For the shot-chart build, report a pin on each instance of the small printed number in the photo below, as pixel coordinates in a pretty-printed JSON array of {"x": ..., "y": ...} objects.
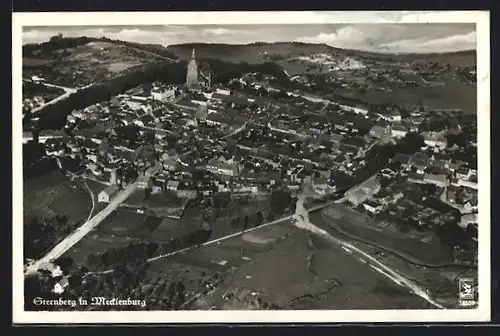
[{"x": 467, "y": 303}]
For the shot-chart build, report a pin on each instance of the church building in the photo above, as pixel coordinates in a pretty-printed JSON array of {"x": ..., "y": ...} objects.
[{"x": 196, "y": 79}]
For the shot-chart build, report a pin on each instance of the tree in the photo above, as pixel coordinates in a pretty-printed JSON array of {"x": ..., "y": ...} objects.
[
  {"x": 180, "y": 291},
  {"x": 411, "y": 143},
  {"x": 151, "y": 249}
]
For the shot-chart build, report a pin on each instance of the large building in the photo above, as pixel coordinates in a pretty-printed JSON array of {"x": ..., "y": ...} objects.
[
  {"x": 192, "y": 72},
  {"x": 195, "y": 78}
]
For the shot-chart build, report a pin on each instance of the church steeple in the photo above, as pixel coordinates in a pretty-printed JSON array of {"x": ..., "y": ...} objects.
[{"x": 193, "y": 55}]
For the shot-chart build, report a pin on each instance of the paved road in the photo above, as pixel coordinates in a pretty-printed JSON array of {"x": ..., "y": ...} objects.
[
  {"x": 53, "y": 101},
  {"x": 445, "y": 200},
  {"x": 83, "y": 230},
  {"x": 318, "y": 100},
  {"x": 236, "y": 131},
  {"x": 67, "y": 92}
]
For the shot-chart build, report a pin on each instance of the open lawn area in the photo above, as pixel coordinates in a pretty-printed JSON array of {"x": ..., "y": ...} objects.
[
  {"x": 452, "y": 94},
  {"x": 360, "y": 287},
  {"x": 414, "y": 247},
  {"x": 75, "y": 203},
  {"x": 95, "y": 243},
  {"x": 281, "y": 275},
  {"x": 129, "y": 223},
  {"x": 31, "y": 62},
  {"x": 51, "y": 179},
  {"x": 298, "y": 271},
  {"x": 53, "y": 194}
]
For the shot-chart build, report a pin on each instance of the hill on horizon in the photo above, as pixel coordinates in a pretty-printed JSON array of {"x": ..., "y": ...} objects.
[{"x": 230, "y": 52}]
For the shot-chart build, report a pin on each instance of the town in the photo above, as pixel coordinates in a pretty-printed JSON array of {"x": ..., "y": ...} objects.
[{"x": 177, "y": 166}]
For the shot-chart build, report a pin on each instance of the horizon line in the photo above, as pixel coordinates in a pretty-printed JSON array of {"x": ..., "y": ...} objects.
[{"x": 379, "y": 52}]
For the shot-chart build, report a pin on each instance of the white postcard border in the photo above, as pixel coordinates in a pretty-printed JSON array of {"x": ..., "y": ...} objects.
[{"x": 481, "y": 18}]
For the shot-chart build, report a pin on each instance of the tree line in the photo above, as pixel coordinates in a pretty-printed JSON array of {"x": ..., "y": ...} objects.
[{"x": 58, "y": 42}]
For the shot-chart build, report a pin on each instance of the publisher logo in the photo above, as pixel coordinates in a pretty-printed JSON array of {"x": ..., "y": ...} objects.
[{"x": 467, "y": 292}]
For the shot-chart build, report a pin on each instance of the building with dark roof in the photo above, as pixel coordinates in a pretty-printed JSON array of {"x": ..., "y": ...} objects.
[{"x": 108, "y": 194}]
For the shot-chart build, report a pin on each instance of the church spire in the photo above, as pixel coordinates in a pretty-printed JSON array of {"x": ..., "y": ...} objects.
[{"x": 193, "y": 56}]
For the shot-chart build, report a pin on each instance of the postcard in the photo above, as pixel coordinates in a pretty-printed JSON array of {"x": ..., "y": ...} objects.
[{"x": 238, "y": 167}]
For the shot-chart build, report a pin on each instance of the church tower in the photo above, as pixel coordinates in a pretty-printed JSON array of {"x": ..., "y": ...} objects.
[{"x": 192, "y": 72}]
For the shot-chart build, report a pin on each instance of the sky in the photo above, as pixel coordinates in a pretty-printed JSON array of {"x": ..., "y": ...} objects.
[{"x": 378, "y": 37}]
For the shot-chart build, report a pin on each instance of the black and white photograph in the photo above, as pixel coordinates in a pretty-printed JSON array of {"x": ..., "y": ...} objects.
[{"x": 251, "y": 167}]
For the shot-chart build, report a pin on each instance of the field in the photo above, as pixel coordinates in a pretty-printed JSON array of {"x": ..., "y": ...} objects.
[
  {"x": 284, "y": 266},
  {"x": 360, "y": 287},
  {"x": 440, "y": 281},
  {"x": 34, "y": 62},
  {"x": 422, "y": 248},
  {"x": 451, "y": 94},
  {"x": 33, "y": 185},
  {"x": 126, "y": 223},
  {"x": 53, "y": 194},
  {"x": 95, "y": 243},
  {"x": 86, "y": 64},
  {"x": 53, "y": 206},
  {"x": 281, "y": 275}
]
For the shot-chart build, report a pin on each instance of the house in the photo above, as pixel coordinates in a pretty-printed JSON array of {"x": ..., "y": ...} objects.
[
  {"x": 163, "y": 94},
  {"x": 170, "y": 164},
  {"x": 468, "y": 219},
  {"x": 464, "y": 173},
  {"x": 140, "y": 96},
  {"x": 144, "y": 182},
  {"x": 356, "y": 196},
  {"x": 223, "y": 92},
  {"x": 218, "y": 167},
  {"x": 145, "y": 120},
  {"x": 399, "y": 131},
  {"x": 60, "y": 286},
  {"x": 468, "y": 207},
  {"x": 214, "y": 119},
  {"x": 420, "y": 161},
  {"x": 373, "y": 207},
  {"x": 173, "y": 185},
  {"x": 454, "y": 166},
  {"x": 294, "y": 173},
  {"x": 371, "y": 186},
  {"x": 439, "y": 180},
  {"x": 416, "y": 178},
  {"x": 391, "y": 199},
  {"x": 128, "y": 119},
  {"x": 378, "y": 131},
  {"x": 434, "y": 139},
  {"x": 108, "y": 194},
  {"x": 361, "y": 193},
  {"x": 54, "y": 269},
  {"x": 402, "y": 158},
  {"x": 394, "y": 116}
]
